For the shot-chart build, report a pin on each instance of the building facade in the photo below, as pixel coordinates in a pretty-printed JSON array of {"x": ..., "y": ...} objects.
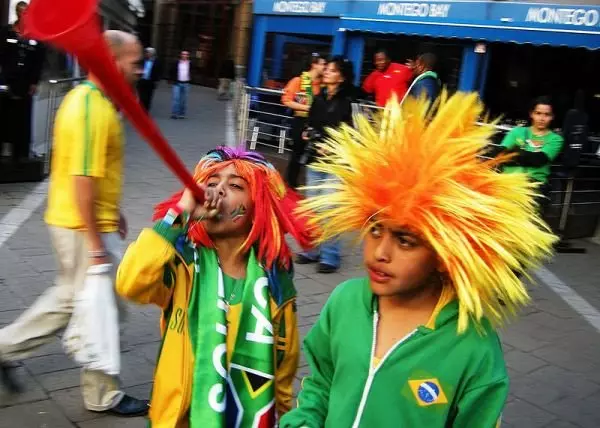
[
  {"x": 121, "y": 14},
  {"x": 509, "y": 51},
  {"x": 211, "y": 30},
  {"x": 115, "y": 14}
]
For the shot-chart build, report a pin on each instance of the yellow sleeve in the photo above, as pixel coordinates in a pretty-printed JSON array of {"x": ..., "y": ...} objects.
[
  {"x": 288, "y": 366},
  {"x": 88, "y": 125},
  {"x": 147, "y": 272}
]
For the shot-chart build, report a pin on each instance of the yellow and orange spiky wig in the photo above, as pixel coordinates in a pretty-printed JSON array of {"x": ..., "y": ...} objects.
[{"x": 421, "y": 170}]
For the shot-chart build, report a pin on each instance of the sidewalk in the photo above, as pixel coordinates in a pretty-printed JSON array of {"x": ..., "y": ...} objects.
[{"x": 552, "y": 352}]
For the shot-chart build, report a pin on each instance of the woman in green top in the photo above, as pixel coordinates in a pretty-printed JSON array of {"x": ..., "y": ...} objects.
[
  {"x": 414, "y": 344},
  {"x": 536, "y": 147}
]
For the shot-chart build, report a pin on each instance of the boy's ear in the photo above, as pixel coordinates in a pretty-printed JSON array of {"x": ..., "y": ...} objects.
[{"x": 441, "y": 266}]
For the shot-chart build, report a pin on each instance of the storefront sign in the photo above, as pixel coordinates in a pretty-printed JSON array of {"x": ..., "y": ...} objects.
[
  {"x": 478, "y": 13},
  {"x": 563, "y": 16},
  {"x": 493, "y": 15},
  {"x": 414, "y": 9},
  {"x": 298, "y": 7}
]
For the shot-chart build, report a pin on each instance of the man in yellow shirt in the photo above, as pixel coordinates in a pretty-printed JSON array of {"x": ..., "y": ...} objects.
[{"x": 85, "y": 222}]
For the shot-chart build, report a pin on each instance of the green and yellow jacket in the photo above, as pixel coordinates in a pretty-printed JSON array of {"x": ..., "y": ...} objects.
[
  {"x": 157, "y": 268},
  {"x": 432, "y": 378}
]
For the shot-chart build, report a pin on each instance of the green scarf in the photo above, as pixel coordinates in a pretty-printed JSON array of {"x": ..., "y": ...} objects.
[
  {"x": 243, "y": 393},
  {"x": 426, "y": 74},
  {"x": 307, "y": 89}
]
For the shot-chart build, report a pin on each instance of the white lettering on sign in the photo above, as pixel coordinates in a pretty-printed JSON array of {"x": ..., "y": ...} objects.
[
  {"x": 550, "y": 15},
  {"x": 417, "y": 10},
  {"x": 299, "y": 6}
]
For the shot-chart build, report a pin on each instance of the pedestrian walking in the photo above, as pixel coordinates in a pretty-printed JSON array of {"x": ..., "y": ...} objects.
[
  {"x": 298, "y": 95},
  {"x": 388, "y": 79},
  {"x": 181, "y": 77},
  {"x": 415, "y": 343},
  {"x": 150, "y": 78},
  {"x": 85, "y": 222},
  {"x": 21, "y": 61},
  {"x": 221, "y": 272}
]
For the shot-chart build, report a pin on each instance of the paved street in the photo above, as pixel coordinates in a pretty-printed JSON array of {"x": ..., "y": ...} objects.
[{"x": 552, "y": 351}]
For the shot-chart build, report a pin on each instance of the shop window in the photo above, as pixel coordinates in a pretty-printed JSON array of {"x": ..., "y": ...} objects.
[
  {"x": 204, "y": 29},
  {"x": 402, "y": 48},
  {"x": 295, "y": 53},
  {"x": 519, "y": 73}
]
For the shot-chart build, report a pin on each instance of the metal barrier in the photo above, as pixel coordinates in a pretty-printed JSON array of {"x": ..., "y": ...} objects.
[
  {"x": 57, "y": 89},
  {"x": 264, "y": 121}
]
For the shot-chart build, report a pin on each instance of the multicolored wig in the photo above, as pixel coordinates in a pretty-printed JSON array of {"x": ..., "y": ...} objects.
[
  {"x": 422, "y": 170},
  {"x": 272, "y": 212}
]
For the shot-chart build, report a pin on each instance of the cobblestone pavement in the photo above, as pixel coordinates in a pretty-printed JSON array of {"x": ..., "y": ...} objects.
[{"x": 552, "y": 353}]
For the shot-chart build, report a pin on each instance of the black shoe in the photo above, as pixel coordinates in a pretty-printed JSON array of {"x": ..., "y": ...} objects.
[
  {"x": 7, "y": 379},
  {"x": 303, "y": 260},
  {"x": 129, "y": 407},
  {"x": 325, "y": 268},
  {"x": 174, "y": 116}
]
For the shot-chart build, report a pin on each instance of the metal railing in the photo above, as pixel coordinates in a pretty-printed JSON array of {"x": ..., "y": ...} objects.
[
  {"x": 57, "y": 89},
  {"x": 262, "y": 120}
]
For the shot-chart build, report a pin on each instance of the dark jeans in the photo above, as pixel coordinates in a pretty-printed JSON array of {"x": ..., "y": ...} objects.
[
  {"x": 299, "y": 145},
  {"x": 146, "y": 92}
]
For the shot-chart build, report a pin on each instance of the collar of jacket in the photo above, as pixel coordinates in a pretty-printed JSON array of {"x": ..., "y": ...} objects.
[
  {"x": 427, "y": 74},
  {"x": 444, "y": 312}
]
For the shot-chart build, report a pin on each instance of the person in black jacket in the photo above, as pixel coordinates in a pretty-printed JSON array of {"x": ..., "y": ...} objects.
[
  {"x": 150, "y": 77},
  {"x": 331, "y": 108},
  {"x": 21, "y": 61},
  {"x": 575, "y": 133}
]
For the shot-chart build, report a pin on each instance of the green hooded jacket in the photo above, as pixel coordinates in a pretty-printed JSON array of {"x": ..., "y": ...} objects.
[{"x": 431, "y": 378}]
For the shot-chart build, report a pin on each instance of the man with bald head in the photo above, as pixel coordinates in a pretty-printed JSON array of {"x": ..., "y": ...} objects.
[{"x": 85, "y": 223}]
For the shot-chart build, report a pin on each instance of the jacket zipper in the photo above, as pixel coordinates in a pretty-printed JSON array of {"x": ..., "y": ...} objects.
[{"x": 373, "y": 371}]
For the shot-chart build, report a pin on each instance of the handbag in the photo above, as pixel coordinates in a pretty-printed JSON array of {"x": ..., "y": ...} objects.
[{"x": 92, "y": 336}]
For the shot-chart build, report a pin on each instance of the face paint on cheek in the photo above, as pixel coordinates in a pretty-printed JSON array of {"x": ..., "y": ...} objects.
[{"x": 238, "y": 213}]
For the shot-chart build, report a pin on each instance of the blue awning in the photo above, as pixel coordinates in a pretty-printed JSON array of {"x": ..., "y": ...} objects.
[
  {"x": 571, "y": 23},
  {"x": 478, "y": 32}
]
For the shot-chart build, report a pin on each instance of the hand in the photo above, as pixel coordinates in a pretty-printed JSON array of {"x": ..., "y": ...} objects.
[
  {"x": 123, "y": 228},
  {"x": 32, "y": 90},
  {"x": 410, "y": 64},
  {"x": 209, "y": 209},
  {"x": 305, "y": 135}
]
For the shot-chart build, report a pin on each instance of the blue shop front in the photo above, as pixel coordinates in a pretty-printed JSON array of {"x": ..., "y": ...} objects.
[{"x": 472, "y": 39}]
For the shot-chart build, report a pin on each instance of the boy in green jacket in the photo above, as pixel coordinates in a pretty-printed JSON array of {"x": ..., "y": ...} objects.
[{"x": 415, "y": 344}]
